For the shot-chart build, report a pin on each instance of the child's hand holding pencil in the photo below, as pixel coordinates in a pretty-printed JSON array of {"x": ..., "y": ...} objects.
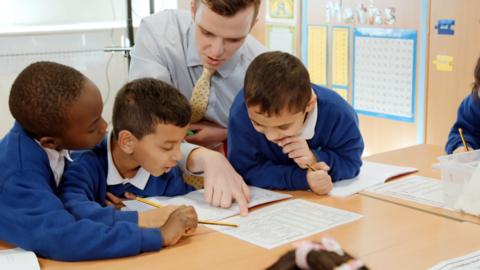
[
  {"x": 182, "y": 221},
  {"x": 318, "y": 178}
]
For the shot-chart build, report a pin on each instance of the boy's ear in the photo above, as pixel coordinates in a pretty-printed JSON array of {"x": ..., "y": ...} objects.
[
  {"x": 51, "y": 142},
  {"x": 126, "y": 141},
  {"x": 311, "y": 103}
]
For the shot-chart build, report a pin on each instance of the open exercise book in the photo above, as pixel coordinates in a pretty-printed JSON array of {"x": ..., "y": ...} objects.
[
  {"x": 204, "y": 210},
  {"x": 415, "y": 188},
  {"x": 18, "y": 259},
  {"x": 371, "y": 174}
]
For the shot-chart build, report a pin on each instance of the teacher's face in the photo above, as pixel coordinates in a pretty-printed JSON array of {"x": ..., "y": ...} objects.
[{"x": 219, "y": 37}]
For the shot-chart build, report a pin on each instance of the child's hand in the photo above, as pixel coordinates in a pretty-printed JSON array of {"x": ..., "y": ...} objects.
[
  {"x": 460, "y": 150},
  {"x": 320, "y": 181},
  {"x": 297, "y": 149},
  {"x": 182, "y": 221},
  {"x": 155, "y": 218},
  {"x": 114, "y": 201}
]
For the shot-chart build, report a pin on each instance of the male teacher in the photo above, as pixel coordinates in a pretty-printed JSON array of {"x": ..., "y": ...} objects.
[{"x": 204, "y": 53}]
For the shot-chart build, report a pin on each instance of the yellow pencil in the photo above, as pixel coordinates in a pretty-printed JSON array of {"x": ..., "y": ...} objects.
[
  {"x": 310, "y": 167},
  {"x": 460, "y": 131},
  {"x": 157, "y": 205}
]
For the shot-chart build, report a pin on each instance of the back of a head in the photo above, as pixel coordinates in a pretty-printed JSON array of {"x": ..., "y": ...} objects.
[
  {"x": 41, "y": 95},
  {"x": 276, "y": 81},
  {"x": 143, "y": 103},
  {"x": 229, "y": 8},
  {"x": 476, "y": 83}
]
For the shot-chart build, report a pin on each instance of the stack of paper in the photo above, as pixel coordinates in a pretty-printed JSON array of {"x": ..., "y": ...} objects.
[
  {"x": 206, "y": 211},
  {"x": 469, "y": 261},
  {"x": 18, "y": 259},
  {"x": 371, "y": 174}
]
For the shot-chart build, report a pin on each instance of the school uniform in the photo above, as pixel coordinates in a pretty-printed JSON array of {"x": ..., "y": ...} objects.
[
  {"x": 468, "y": 118},
  {"x": 33, "y": 217},
  {"x": 92, "y": 174},
  {"x": 330, "y": 129}
]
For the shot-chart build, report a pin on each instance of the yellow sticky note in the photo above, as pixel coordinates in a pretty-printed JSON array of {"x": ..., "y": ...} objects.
[
  {"x": 340, "y": 61},
  {"x": 444, "y": 63},
  {"x": 342, "y": 92},
  {"x": 317, "y": 54}
]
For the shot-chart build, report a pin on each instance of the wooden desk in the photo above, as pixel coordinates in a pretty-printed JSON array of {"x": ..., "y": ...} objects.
[
  {"x": 384, "y": 227},
  {"x": 421, "y": 157},
  {"x": 422, "y": 251}
]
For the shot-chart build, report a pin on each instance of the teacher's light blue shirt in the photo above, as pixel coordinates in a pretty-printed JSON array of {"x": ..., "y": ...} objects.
[{"x": 165, "y": 49}]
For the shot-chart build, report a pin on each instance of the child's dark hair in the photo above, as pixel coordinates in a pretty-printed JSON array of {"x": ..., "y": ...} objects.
[
  {"x": 41, "y": 94},
  {"x": 143, "y": 103},
  {"x": 277, "y": 81},
  {"x": 476, "y": 83},
  {"x": 316, "y": 259}
]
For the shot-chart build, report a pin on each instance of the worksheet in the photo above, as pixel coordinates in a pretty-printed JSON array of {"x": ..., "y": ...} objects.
[
  {"x": 284, "y": 222},
  {"x": 206, "y": 211},
  {"x": 371, "y": 174}
]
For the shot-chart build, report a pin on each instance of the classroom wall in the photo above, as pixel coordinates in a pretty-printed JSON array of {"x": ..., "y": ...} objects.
[
  {"x": 55, "y": 12},
  {"x": 83, "y": 50},
  {"x": 33, "y": 30},
  {"x": 450, "y": 83},
  {"x": 380, "y": 134}
]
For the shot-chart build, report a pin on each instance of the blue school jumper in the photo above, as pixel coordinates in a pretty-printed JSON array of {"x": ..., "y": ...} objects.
[
  {"x": 33, "y": 217},
  {"x": 84, "y": 187},
  {"x": 337, "y": 142},
  {"x": 468, "y": 118}
]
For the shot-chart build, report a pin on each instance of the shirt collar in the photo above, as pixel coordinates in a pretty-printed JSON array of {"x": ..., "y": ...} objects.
[
  {"x": 309, "y": 126},
  {"x": 193, "y": 59},
  {"x": 56, "y": 159},
  {"x": 140, "y": 179}
]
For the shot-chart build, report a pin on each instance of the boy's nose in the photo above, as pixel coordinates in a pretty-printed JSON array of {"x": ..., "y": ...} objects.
[
  {"x": 104, "y": 126},
  {"x": 272, "y": 135},
  {"x": 177, "y": 154}
]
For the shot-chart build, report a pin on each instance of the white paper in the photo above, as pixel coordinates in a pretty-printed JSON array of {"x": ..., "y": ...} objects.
[
  {"x": 371, "y": 174},
  {"x": 468, "y": 262},
  {"x": 284, "y": 222},
  {"x": 206, "y": 211},
  {"x": 18, "y": 259},
  {"x": 282, "y": 39},
  {"x": 415, "y": 188}
]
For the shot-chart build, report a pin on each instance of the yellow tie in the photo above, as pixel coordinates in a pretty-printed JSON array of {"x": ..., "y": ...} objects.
[
  {"x": 193, "y": 180},
  {"x": 199, "y": 99},
  {"x": 199, "y": 102}
]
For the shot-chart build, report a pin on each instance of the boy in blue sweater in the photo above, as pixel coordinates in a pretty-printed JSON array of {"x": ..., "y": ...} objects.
[
  {"x": 468, "y": 119},
  {"x": 138, "y": 158},
  {"x": 286, "y": 133},
  {"x": 57, "y": 108}
]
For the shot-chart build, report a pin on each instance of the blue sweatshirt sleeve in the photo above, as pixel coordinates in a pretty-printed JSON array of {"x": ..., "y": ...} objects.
[
  {"x": 246, "y": 158},
  {"x": 344, "y": 148},
  {"x": 468, "y": 118},
  {"x": 33, "y": 218},
  {"x": 83, "y": 191}
]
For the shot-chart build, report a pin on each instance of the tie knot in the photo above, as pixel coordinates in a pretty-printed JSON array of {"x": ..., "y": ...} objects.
[{"x": 207, "y": 73}]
